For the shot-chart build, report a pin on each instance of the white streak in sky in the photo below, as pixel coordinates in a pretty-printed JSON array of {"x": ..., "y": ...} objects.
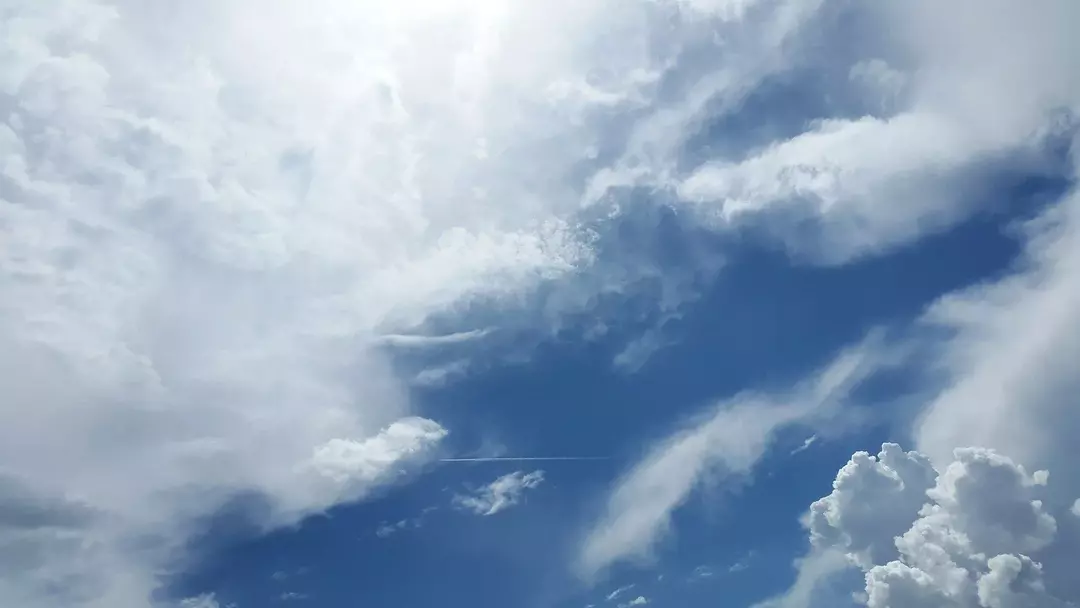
[{"x": 523, "y": 458}]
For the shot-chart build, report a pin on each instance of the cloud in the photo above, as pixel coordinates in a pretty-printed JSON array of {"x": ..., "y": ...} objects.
[
  {"x": 998, "y": 352},
  {"x": 202, "y": 601},
  {"x": 971, "y": 534},
  {"x": 805, "y": 445},
  {"x": 637, "y": 601},
  {"x": 1007, "y": 352},
  {"x": 728, "y": 441},
  {"x": 385, "y": 529},
  {"x": 421, "y": 341},
  {"x": 852, "y": 186},
  {"x": 216, "y": 215},
  {"x": 702, "y": 572},
  {"x": 617, "y": 592},
  {"x": 211, "y": 212},
  {"x": 500, "y": 494},
  {"x": 344, "y": 460}
]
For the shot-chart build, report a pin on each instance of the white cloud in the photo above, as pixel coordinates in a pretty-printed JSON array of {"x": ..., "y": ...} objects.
[
  {"x": 422, "y": 341},
  {"x": 852, "y": 186},
  {"x": 387, "y": 529},
  {"x": 211, "y": 212},
  {"x": 1012, "y": 387},
  {"x": 202, "y": 601},
  {"x": 348, "y": 462},
  {"x": 617, "y": 592},
  {"x": 894, "y": 480},
  {"x": 970, "y": 535},
  {"x": 1007, "y": 385},
  {"x": 805, "y": 445},
  {"x": 637, "y": 601},
  {"x": 1000, "y": 352},
  {"x": 727, "y": 441},
  {"x": 703, "y": 572},
  {"x": 500, "y": 494}
]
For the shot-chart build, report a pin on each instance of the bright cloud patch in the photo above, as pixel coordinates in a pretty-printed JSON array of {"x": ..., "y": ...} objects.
[
  {"x": 500, "y": 494},
  {"x": 974, "y": 534}
]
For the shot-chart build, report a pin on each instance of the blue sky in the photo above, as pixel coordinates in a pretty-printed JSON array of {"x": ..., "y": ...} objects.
[{"x": 601, "y": 304}]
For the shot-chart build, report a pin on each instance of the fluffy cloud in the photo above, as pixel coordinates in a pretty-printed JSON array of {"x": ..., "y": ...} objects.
[
  {"x": 970, "y": 535},
  {"x": 727, "y": 442},
  {"x": 500, "y": 494}
]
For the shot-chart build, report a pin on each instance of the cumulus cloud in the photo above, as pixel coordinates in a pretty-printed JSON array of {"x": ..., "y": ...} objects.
[
  {"x": 637, "y": 601},
  {"x": 726, "y": 441},
  {"x": 972, "y": 534},
  {"x": 500, "y": 494}
]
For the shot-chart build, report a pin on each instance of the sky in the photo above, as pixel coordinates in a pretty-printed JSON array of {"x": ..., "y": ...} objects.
[{"x": 575, "y": 304}]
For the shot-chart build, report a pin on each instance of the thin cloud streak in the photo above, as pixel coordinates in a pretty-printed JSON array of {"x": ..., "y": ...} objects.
[{"x": 524, "y": 458}]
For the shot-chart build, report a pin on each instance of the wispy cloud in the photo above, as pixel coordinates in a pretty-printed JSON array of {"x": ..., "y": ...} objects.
[
  {"x": 523, "y": 458},
  {"x": 702, "y": 572},
  {"x": 387, "y": 529},
  {"x": 809, "y": 441},
  {"x": 500, "y": 494},
  {"x": 728, "y": 440},
  {"x": 637, "y": 601},
  {"x": 619, "y": 591},
  {"x": 426, "y": 341}
]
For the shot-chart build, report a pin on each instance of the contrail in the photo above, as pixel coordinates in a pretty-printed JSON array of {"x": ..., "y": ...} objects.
[{"x": 521, "y": 458}]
